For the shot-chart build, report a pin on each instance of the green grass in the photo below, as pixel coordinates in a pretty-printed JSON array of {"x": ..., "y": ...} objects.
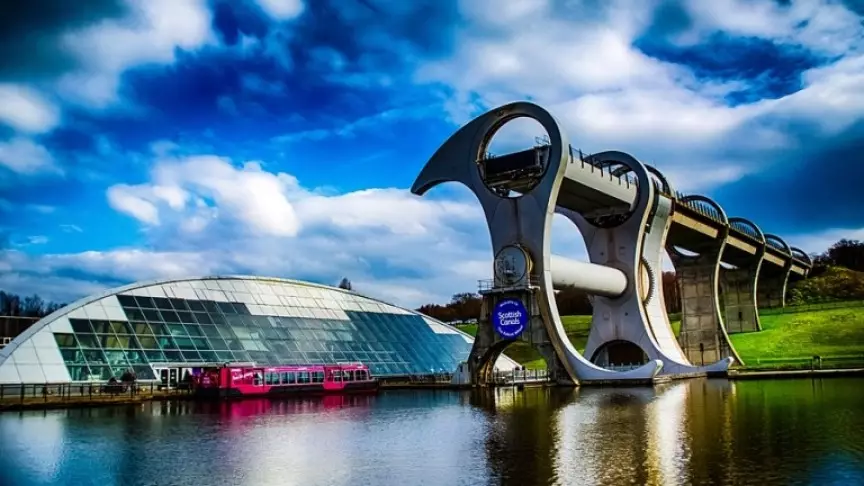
[
  {"x": 836, "y": 335},
  {"x": 788, "y": 340}
]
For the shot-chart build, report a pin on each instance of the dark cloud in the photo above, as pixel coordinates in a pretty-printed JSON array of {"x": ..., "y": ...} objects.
[
  {"x": 669, "y": 19},
  {"x": 818, "y": 187},
  {"x": 30, "y": 33},
  {"x": 232, "y": 18},
  {"x": 339, "y": 62},
  {"x": 353, "y": 26},
  {"x": 856, "y": 6},
  {"x": 769, "y": 70}
]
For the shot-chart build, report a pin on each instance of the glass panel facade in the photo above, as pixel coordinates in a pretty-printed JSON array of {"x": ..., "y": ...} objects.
[{"x": 171, "y": 330}]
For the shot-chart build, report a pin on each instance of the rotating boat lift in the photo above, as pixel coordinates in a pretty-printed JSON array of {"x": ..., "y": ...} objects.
[{"x": 623, "y": 210}]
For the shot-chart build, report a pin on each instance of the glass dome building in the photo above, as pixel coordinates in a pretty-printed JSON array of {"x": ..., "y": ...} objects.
[{"x": 154, "y": 326}]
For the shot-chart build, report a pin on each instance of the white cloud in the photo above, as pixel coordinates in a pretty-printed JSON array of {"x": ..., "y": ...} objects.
[
  {"x": 282, "y": 9},
  {"x": 253, "y": 198},
  {"x": 24, "y": 156},
  {"x": 151, "y": 35},
  {"x": 822, "y": 240},
  {"x": 71, "y": 228},
  {"x": 825, "y": 26},
  {"x": 37, "y": 240},
  {"x": 133, "y": 201},
  {"x": 25, "y": 110},
  {"x": 50, "y": 287},
  {"x": 833, "y": 95}
]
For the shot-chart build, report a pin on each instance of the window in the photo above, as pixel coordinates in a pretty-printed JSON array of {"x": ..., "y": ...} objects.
[{"x": 65, "y": 340}]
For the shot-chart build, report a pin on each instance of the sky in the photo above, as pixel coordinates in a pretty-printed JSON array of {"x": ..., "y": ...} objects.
[{"x": 174, "y": 138}]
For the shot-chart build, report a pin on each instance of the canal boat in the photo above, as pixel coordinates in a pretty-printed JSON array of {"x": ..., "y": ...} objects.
[{"x": 234, "y": 380}]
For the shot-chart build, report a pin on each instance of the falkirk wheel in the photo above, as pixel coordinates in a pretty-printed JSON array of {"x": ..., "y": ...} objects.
[{"x": 628, "y": 216}]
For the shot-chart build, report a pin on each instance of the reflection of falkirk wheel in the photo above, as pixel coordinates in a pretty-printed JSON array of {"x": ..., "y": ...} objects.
[{"x": 625, "y": 245}]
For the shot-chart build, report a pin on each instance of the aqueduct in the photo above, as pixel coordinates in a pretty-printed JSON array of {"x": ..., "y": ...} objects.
[{"x": 628, "y": 214}]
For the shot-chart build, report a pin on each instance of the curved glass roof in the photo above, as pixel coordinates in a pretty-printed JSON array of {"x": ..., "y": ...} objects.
[{"x": 162, "y": 324}]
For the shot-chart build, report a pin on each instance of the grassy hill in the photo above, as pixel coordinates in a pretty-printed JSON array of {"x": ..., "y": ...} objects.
[{"x": 788, "y": 339}]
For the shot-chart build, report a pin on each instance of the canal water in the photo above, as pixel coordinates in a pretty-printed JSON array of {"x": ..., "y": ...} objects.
[{"x": 701, "y": 432}]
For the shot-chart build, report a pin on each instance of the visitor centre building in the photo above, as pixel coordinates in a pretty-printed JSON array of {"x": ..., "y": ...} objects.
[{"x": 150, "y": 327}]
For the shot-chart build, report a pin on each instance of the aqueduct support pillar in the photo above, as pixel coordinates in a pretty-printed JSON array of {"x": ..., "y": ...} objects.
[
  {"x": 739, "y": 298},
  {"x": 702, "y": 336},
  {"x": 771, "y": 287}
]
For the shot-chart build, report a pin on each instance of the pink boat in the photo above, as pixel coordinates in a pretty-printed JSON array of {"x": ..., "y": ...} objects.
[{"x": 249, "y": 380}]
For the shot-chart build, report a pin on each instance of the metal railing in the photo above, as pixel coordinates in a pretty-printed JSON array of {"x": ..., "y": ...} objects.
[
  {"x": 776, "y": 245},
  {"x": 441, "y": 378},
  {"x": 807, "y": 363},
  {"x": 613, "y": 171},
  {"x": 745, "y": 229},
  {"x": 520, "y": 376},
  {"x": 793, "y": 309},
  {"x": 624, "y": 367},
  {"x": 83, "y": 393},
  {"x": 700, "y": 207},
  {"x": 488, "y": 285}
]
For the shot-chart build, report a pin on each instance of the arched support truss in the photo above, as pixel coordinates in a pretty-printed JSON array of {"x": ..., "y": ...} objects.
[
  {"x": 802, "y": 256},
  {"x": 774, "y": 280},
  {"x": 778, "y": 244},
  {"x": 662, "y": 182},
  {"x": 748, "y": 228},
  {"x": 705, "y": 206},
  {"x": 703, "y": 337},
  {"x": 739, "y": 285}
]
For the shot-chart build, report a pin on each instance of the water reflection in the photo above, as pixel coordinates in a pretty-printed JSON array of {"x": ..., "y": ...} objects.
[
  {"x": 688, "y": 432},
  {"x": 520, "y": 439}
]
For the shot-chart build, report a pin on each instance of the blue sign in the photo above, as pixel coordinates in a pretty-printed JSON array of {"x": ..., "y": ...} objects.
[{"x": 509, "y": 318}]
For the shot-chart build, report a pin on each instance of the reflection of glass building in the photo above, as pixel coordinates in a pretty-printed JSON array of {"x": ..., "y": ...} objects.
[{"x": 157, "y": 325}]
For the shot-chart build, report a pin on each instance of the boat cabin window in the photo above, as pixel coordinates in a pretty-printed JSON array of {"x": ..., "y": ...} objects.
[
  {"x": 288, "y": 377},
  {"x": 318, "y": 377},
  {"x": 303, "y": 377},
  {"x": 334, "y": 375},
  {"x": 271, "y": 378}
]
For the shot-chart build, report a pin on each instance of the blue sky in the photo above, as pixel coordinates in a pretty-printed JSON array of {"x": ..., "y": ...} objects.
[{"x": 171, "y": 138}]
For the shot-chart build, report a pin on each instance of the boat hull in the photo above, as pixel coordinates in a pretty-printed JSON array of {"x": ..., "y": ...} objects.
[{"x": 277, "y": 391}]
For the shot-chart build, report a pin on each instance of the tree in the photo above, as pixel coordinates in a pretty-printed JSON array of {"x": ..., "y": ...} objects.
[
  {"x": 572, "y": 301},
  {"x": 671, "y": 292},
  {"x": 33, "y": 306},
  {"x": 466, "y": 306},
  {"x": 345, "y": 284},
  {"x": 846, "y": 253}
]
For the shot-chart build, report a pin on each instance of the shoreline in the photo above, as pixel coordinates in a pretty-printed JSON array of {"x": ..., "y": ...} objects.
[
  {"x": 83, "y": 401},
  {"x": 745, "y": 374}
]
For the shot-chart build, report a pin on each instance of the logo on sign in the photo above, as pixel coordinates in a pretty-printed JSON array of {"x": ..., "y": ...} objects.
[{"x": 509, "y": 317}]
